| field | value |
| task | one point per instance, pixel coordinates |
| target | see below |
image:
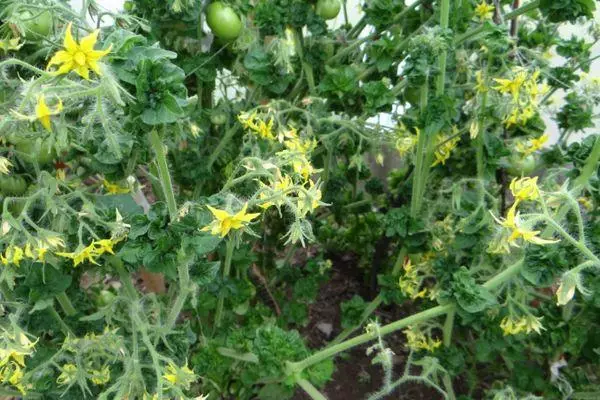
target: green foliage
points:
(568, 10)
(470, 296)
(179, 211)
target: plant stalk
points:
(184, 291)
(163, 173)
(494, 283)
(226, 272)
(310, 390)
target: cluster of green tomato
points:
(226, 24)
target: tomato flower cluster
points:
(514, 229)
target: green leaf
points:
(202, 243)
(45, 281)
(470, 296)
(123, 202)
(41, 305)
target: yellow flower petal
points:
(69, 42)
(219, 214)
(87, 43)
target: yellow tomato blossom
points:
(89, 253)
(254, 123)
(290, 134)
(100, 376)
(67, 375)
(81, 57)
(586, 203)
(516, 231)
(12, 255)
(531, 146)
(525, 189)
(302, 166)
(310, 200)
(484, 11)
(406, 141)
(527, 325)
(410, 281)
(114, 188)
(278, 188)
(301, 146)
(444, 149)
(43, 112)
(224, 222)
(417, 340)
(5, 165)
(512, 86)
(18, 347)
(480, 85)
(179, 376)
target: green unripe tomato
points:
(328, 9)
(218, 117)
(36, 25)
(12, 185)
(521, 166)
(128, 5)
(223, 21)
(105, 298)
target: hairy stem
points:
(310, 390)
(493, 283)
(226, 272)
(163, 173)
(184, 291)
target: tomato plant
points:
(251, 199)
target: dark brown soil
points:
(355, 376)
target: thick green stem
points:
(117, 264)
(448, 327)
(444, 21)
(448, 386)
(226, 272)
(66, 304)
(493, 283)
(415, 202)
(184, 291)
(367, 337)
(310, 390)
(163, 173)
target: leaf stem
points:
(66, 304)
